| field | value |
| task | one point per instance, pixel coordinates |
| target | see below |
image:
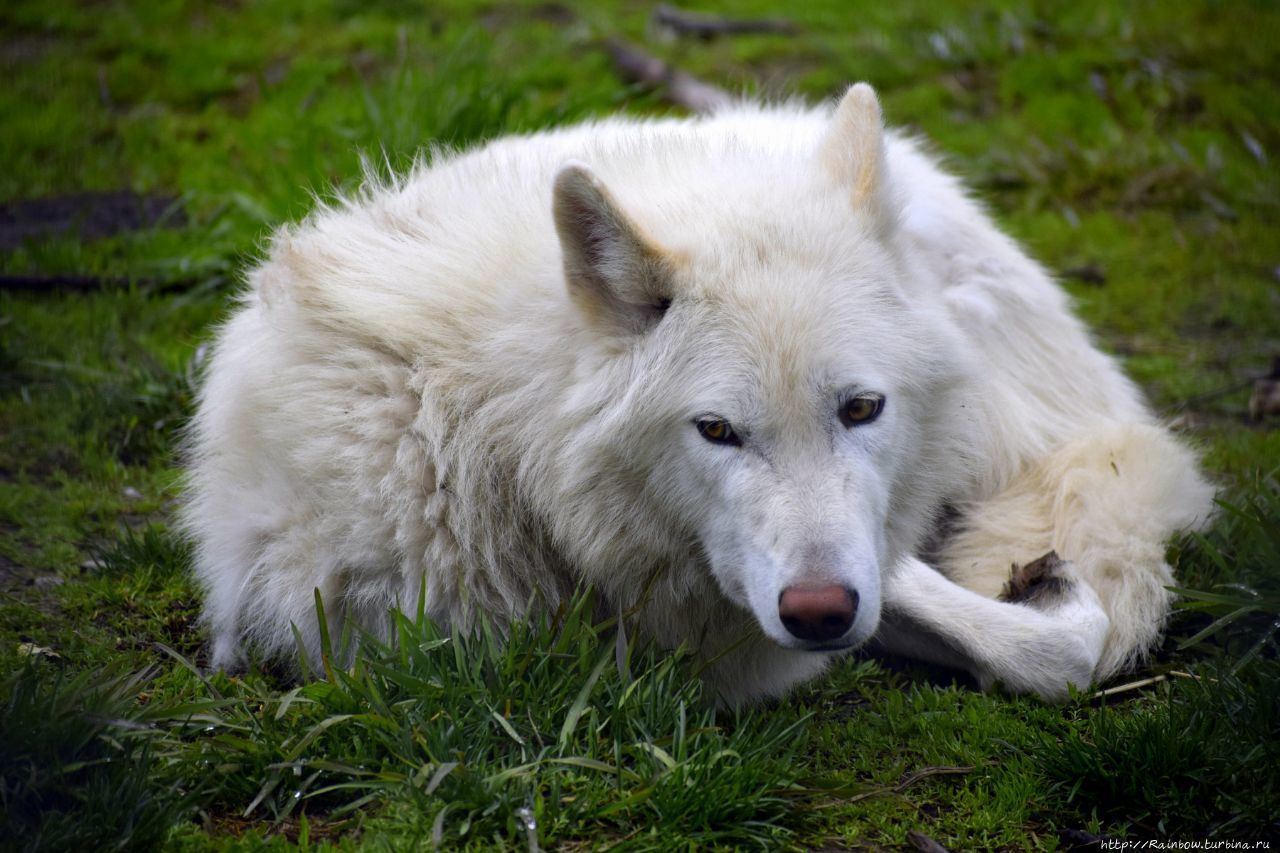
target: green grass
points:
(1138, 141)
(457, 737)
(80, 764)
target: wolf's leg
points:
(1051, 638)
(1106, 503)
(224, 590)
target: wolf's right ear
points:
(614, 273)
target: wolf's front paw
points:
(1059, 646)
(1047, 666)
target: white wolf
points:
(770, 368)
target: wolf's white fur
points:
(441, 385)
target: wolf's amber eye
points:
(717, 431)
(862, 409)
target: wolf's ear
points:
(614, 274)
(853, 153)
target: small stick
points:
(707, 27)
(911, 780)
(930, 771)
(1132, 685)
(1146, 682)
(682, 89)
(1180, 674)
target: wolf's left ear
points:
(853, 153)
(614, 273)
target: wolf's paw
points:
(1048, 665)
(1061, 643)
(1041, 583)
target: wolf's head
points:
(779, 391)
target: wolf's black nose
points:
(817, 613)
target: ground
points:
(149, 148)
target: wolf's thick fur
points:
(494, 380)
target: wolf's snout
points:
(817, 613)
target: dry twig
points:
(909, 781)
(681, 88)
(708, 27)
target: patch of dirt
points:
(11, 573)
(87, 215)
(31, 587)
(41, 465)
(845, 705)
(975, 89)
(23, 49)
(319, 828)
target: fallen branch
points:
(42, 283)
(90, 283)
(1125, 688)
(87, 215)
(708, 27)
(1264, 400)
(1140, 683)
(682, 89)
(1215, 393)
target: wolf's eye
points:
(717, 431)
(862, 409)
